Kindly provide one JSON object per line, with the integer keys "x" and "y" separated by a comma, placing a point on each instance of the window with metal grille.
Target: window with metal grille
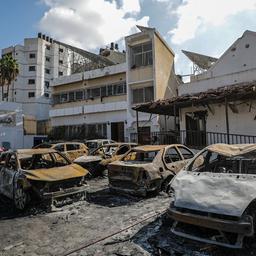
{"x": 141, "y": 95}
{"x": 141, "y": 55}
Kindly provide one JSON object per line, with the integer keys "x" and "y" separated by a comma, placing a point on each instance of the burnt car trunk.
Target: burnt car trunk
{"x": 132, "y": 179}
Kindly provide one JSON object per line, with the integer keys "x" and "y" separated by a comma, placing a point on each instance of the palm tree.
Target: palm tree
{"x": 9, "y": 70}
{"x": 2, "y": 80}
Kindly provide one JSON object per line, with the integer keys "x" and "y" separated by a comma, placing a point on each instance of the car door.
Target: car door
{"x": 186, "y": 153}
{"x": 8, "y": 172}
{"x": 173, "y": 159}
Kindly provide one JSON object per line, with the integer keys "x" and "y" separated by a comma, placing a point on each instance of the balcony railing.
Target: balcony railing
{"x": 195, "y": 139}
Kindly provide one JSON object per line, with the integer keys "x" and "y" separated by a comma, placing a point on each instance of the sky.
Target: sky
{"x": 204, "y": 26}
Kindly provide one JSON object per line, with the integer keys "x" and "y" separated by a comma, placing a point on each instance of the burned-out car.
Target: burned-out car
{"x": 148, "y": 168}
{"x": 98, "y": 160}
{"x": 39, "y": 174}
{"x": 72, "y": 150}
{"x": 94, "y": 144}
{"x": 215, "y": 196}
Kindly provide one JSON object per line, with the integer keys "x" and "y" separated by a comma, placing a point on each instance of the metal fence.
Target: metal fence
{"x": 195, "y": 139}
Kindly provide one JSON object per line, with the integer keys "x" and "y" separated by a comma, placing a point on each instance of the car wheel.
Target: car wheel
{"x": 250, "y": 242}
{"x": 21, "y": 198}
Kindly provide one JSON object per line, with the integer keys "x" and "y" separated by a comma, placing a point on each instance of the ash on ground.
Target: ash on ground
{"x": 43, "y": 231}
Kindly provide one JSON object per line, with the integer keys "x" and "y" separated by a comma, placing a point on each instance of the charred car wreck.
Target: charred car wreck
{"x": 148, "y": 168}
{"x": 39, "y": 173}
{"x": 215, "y": 196}
{"x": 97, "y": 162}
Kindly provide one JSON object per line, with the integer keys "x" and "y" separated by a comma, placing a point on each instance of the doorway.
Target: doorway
{"x": 117, "y": 131}
{"x": 196, "y": 129}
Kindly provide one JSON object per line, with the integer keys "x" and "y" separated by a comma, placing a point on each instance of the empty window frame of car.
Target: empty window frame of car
{"x": 171, "y": 155}
{"x": 186, "y": 153}
{"x": 213, "y": 162}
{"x": 122, "y": 150}
{"x": 140, "y": 156}
{"x": 60, "y": 147}
{"x": 71, "y": 147}
{"x": 42, "y": 161}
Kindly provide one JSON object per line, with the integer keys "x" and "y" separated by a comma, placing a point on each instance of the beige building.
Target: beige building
{"x": 98, "y": 103}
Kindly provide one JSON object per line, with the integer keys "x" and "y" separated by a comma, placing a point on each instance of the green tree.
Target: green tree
{"x": 9, "y": 70}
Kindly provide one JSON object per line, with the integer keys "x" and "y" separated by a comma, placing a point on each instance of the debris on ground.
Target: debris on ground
{"x": 100, "y": 214}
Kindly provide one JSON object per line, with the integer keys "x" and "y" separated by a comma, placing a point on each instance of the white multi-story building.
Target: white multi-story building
{"x": 99, "y": 102}
{"x": 218, "y": 104}
{"x": 41, "y": 60}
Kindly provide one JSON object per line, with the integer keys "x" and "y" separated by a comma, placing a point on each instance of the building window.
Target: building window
{"x": 71, "y": 96}
{"x": 32, "y": 55}
{"x": 46, "y": 95}
{"x": 47, "y": 71}
{"x": 31, "y": 94}
{"x": 48, "y": 59}
{"x": 48, "y": 47}
{"x": 141, "y": 55}
{"x": 47, "y": 84}
{"x": 60, "y": 62}
{"x": 32, "y": 68}
{"x": 96, "y": 92}
{"x": 141, "y": 95}
{"x": 60, "y": 73}
{"x": 110, "y": 90}
{"x": 103, "y": 91}
{"x": 31, "y": 81}
{"x": 79, "y": 95}
{"x": 64, "y": 97}
{"x": 61, "y": 50}
{"x": 56, "y": 99}
{"x": 149, "y": 94}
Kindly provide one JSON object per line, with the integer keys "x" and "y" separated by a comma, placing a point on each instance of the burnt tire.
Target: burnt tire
{"x": 21, "y": 198}
{"x": 250, "y": 242}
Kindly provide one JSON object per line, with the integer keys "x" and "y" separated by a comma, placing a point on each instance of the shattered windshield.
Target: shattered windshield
{"x": 213, "y": 162}
{"x": 41, "y": 161}
{"x": 140, "y": 156}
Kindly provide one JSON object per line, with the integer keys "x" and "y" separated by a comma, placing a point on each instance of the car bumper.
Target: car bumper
{"x": 242, "y": 227}
{"x": 64, "y": 192}
{"x": 130, "y": 188}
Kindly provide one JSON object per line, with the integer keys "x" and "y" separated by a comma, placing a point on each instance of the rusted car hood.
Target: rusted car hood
{"x": 87, "y": 159}
{"x": 221, "y": 193}
{"x": 57, "y": 173}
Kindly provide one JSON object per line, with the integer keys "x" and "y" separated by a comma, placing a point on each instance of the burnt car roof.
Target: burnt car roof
{"x": 148, "y": 148}
{"x": 232, "y": 150}
{"x": 119, "y": 144}
{"x": 35, "y": 151}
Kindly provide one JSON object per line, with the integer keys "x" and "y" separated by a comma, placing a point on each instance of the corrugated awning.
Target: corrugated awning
{"x": 170, "y": 106}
